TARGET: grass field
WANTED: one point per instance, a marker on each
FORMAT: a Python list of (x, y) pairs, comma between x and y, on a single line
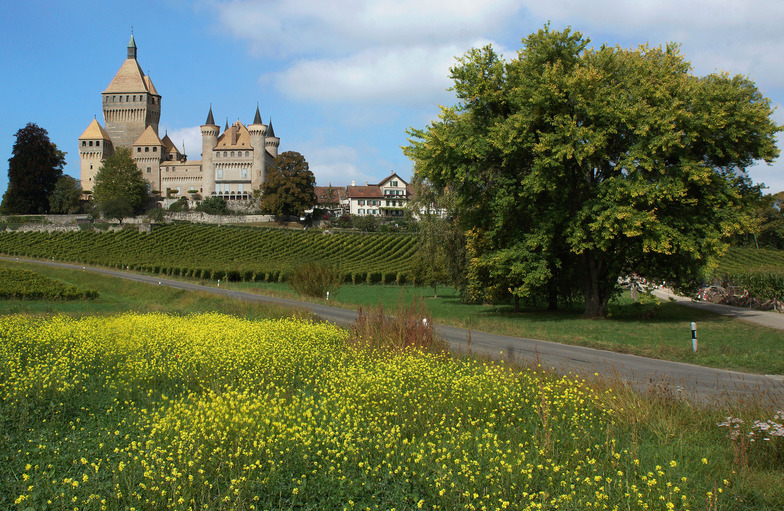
[(211, 411), (660, 330), (183, 411)]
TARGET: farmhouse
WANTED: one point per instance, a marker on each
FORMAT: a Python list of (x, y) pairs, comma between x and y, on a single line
[(234, 160), (385, 199)]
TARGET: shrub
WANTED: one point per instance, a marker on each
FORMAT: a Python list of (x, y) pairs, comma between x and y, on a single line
[(409, 328), (315, 279)]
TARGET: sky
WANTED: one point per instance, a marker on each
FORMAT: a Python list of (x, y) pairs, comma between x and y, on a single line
[(342, 80)]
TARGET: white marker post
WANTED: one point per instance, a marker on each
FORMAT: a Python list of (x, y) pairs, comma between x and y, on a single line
[(327, 295), (693, 336)]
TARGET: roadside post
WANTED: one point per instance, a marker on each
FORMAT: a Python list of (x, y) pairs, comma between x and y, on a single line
[(693, 336)]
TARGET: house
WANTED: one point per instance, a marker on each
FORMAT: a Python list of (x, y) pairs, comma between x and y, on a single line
[(387, 199)]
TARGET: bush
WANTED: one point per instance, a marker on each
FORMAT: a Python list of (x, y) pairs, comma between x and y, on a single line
[(315, 279), (409, 327), (180, 205), (213, 206)]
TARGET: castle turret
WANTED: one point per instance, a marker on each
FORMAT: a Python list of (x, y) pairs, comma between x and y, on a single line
[(272, 142), (130, 102), (258, 132), (209, 139), (94, 146)]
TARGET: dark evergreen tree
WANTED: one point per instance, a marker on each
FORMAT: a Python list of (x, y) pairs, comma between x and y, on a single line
[(33, 171)]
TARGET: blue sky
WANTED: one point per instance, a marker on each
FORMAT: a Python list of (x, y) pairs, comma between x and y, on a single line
[(341, 80)]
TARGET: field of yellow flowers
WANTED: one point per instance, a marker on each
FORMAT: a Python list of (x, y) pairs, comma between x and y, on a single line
[(152, 411)]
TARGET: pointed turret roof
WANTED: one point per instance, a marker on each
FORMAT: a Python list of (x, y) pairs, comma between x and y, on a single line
[(168, 145), (270, 131), (148, 137), (257, 119), (130, 78), (210, 118), (94, 131)]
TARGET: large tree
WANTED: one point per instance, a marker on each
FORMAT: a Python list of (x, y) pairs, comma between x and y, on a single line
[(66, 197), (33, 170), (289, 187), (574, 166), (120, 190)]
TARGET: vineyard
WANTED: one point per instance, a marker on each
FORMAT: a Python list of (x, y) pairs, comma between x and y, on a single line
[(221, 252), (759, 271), (18, 284)]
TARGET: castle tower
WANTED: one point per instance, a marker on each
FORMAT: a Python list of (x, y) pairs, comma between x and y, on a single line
[(130, 102), (147, 151), (94, 146), (209, 139), (258, 132), (272, 142)]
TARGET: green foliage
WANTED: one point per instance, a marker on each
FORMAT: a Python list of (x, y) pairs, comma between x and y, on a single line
[(33, 170), (366, 223), (315, 279), (574, 166), (289, 186), (66, 198), (761, 272), (120, 190), (213, 206), (180, 204), (27, 285), (243, 253)]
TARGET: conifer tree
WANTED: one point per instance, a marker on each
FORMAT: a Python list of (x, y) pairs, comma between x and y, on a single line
[(33, 171)]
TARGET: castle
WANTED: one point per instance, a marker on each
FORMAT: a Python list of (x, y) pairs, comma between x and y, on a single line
[(233, 163)]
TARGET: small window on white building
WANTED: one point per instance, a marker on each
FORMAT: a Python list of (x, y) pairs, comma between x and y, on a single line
[(220, 173)]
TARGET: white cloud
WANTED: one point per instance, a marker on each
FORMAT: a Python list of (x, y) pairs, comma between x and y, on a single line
[(338, 165), (409, 76), (187, 140), (286, 27), (738, 36)]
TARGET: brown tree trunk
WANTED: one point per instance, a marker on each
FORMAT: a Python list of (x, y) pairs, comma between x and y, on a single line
[(596, 296)]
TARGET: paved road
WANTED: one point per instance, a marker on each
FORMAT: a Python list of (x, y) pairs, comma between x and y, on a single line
[(681, 381)]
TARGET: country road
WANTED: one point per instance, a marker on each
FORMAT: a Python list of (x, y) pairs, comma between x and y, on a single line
[(682, 381)]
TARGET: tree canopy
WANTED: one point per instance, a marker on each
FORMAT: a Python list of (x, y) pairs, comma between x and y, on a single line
[(573, 166), (33, 170), (66, 197), (289, 187), (120, 190)]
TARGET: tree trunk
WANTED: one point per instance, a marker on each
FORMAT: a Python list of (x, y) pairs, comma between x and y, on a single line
[(596, 296), (516, 303)]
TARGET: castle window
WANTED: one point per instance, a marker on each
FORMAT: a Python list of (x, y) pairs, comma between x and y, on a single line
[(220, 173), (146, 149), (244, 173), (217, 154), (149, 170), (155, 149), (134, 97), (138, 149), (90, 143), (126, 98), (97, 143), (114, 98), (246, 154), (84, 143), (232, 153), (224, 154)]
